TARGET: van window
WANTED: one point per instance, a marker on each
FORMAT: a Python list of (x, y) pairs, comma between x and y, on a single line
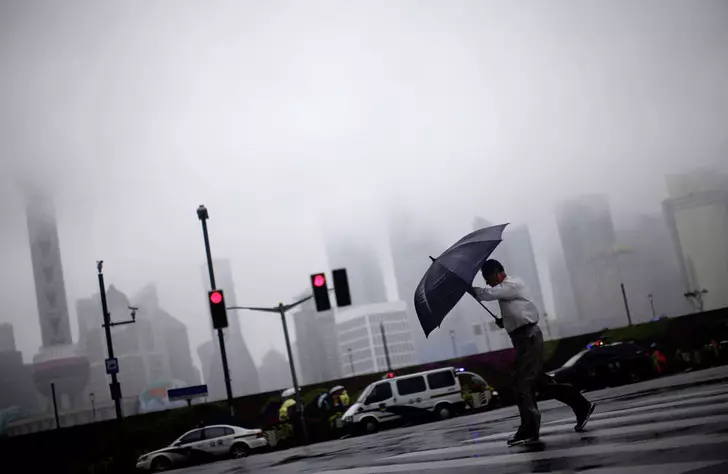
[(380, 392), (411, 385), (441, 379)]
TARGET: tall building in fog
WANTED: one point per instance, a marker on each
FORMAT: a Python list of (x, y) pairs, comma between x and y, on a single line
[(361, 347), (564, 301), (154, 350), (243, 372), (317, 346), (592, 258), (651, 268), (17, 390), (275, 372), (359, 257), (697, 216), (517, 256), (58, 360)]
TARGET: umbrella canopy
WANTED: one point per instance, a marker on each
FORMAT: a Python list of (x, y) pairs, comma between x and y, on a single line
[(451, 275)]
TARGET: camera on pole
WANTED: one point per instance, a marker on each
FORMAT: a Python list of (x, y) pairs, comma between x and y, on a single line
[(217, 309)]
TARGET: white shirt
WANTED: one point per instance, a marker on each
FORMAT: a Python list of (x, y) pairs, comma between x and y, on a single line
[(516, 306)]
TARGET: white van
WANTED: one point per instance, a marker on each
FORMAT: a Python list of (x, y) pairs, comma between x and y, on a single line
[(435, 390)]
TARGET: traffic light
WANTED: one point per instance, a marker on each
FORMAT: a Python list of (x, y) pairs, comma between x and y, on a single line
[(217, 309), (320, 292), (341, 287)]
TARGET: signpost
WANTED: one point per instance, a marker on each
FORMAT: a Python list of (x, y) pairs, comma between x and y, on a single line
[(112, 366), (187, 393)]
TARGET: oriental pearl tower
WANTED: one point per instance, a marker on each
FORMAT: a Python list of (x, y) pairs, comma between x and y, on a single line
[(57, 361)]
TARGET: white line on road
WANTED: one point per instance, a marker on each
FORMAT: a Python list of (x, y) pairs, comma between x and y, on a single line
[(524, 457)]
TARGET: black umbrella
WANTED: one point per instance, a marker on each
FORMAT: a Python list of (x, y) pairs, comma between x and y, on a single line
[(451, 276)]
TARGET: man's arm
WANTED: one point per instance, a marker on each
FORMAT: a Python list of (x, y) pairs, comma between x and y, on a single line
[(504, 291)]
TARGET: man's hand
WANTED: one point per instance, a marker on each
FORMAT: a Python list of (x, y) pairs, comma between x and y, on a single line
[(499, 322)]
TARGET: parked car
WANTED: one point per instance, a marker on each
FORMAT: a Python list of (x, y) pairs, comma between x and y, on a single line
[(434, 394), (204, 445), (606, 365)]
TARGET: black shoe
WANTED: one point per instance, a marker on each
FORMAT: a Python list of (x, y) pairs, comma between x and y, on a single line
[(583, 419), (519, 439)]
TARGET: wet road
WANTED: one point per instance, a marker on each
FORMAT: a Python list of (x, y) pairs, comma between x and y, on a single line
[(661, 426)]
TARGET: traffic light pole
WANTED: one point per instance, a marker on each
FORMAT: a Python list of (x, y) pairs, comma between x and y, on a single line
[(203, 216), (294, 378), (384, 343), (281, 309)]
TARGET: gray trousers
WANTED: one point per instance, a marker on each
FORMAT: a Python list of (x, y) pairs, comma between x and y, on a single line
[(529, 377)]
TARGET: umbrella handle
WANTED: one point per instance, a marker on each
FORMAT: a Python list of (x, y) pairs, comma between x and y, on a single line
[(484, 307)]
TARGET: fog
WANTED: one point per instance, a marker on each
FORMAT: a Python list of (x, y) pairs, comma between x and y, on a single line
[(288, 118)]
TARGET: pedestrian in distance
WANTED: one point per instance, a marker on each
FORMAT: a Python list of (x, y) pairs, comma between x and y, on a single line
[(519, 317)]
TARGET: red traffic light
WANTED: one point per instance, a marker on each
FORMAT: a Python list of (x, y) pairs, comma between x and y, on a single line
[(319, 280), (216, 297)]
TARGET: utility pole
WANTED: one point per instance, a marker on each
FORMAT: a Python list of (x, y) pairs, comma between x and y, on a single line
[(203, 215), (112, 365), (281, 309), (454, 346), (93, 404), (351, 361), (55, 405), (384, 343), (626, 305), (652, 305)]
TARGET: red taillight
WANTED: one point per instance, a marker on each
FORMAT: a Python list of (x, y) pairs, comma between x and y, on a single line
[(260, 434)]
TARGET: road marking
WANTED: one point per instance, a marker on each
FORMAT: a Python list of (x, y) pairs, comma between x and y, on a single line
[(646, 408), (525, 457)]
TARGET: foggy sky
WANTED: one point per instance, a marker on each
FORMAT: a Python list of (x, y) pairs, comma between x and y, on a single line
[(285, 118)]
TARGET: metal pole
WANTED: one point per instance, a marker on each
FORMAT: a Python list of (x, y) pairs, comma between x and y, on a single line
[(203, 216), (454, 346), (93, 404), (351, 361), (652, 305), (55, 405), (626, 305), (299, 403), (384, 343), (109, 344)]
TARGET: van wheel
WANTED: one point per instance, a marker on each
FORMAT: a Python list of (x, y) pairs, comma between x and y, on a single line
[(370, 426), (443, 412)]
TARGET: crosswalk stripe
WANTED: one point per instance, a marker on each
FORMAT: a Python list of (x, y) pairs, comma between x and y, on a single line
[(678, 416), (648, 408), (495, 443), (414, 465)]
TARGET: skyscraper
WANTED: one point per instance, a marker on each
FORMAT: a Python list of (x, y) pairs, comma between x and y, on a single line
[(697, 216), (592, 258), (357, 255), (243, 372), (317, 346), (58, 360)]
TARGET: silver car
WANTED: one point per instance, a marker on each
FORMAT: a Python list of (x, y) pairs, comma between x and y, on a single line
[(204, 445)]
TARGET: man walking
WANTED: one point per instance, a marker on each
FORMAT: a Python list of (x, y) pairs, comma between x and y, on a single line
[(520, 320)]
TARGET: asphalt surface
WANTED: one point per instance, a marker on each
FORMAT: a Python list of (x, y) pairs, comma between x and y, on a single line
[(671, 425)]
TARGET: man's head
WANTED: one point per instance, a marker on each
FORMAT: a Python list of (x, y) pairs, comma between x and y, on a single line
[(493, 272)]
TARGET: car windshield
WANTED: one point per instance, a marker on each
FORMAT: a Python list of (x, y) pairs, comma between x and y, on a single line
[(363, 395), (574, 360)]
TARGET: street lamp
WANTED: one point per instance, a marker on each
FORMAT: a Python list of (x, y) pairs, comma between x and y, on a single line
[(282, 309), (203, 215), (112, 365), (454, 346)]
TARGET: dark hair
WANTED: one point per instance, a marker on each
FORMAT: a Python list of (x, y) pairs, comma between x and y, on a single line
[(492, 266)]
